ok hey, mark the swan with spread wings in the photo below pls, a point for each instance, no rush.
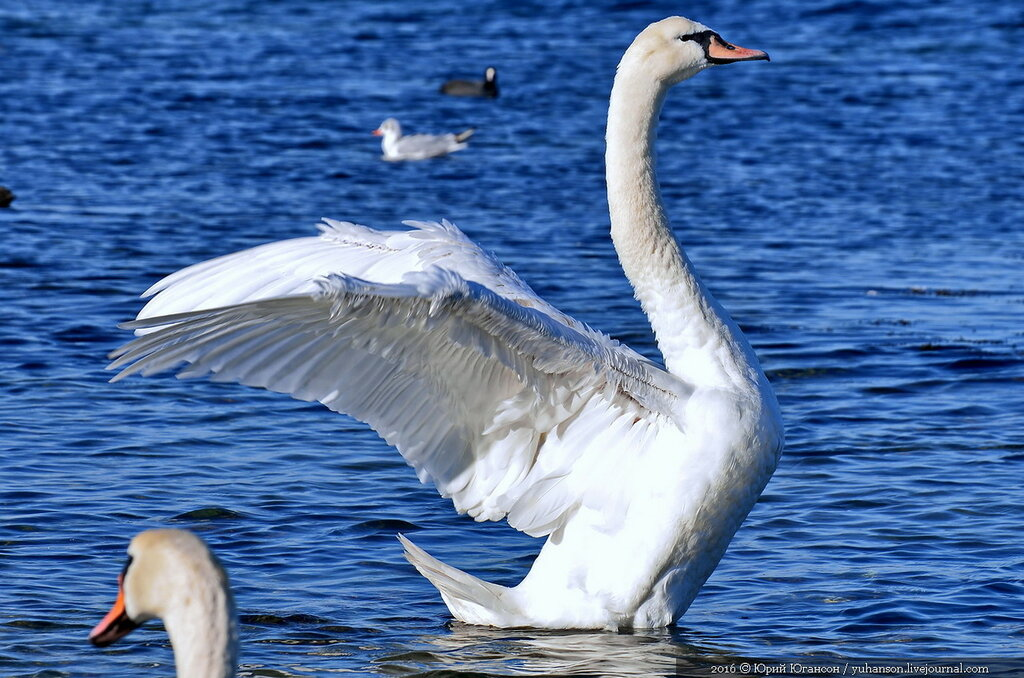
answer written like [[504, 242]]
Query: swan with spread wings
[[637, 475]]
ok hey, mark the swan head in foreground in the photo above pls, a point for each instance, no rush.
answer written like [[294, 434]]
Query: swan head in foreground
[[173, 576], [677, 48]]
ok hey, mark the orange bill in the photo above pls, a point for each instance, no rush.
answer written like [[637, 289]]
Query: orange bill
[[116, 624], [722, 52]]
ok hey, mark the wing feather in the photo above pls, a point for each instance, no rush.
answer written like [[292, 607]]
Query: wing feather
[[505, 407]]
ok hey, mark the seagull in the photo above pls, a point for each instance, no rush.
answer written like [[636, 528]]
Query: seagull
[[417, 146]]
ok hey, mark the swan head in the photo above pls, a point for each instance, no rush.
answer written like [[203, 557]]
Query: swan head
[[676, 48], [389, 129], [168, 572], [490, 74]]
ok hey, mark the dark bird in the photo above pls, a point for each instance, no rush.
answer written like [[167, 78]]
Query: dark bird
[[488, 87]]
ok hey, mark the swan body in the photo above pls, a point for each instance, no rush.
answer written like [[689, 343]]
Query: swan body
[[173, 576], [488, 87], [417, 146], [639, 476]]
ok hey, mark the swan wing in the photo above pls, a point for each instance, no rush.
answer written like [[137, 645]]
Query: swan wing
[[294, 267], [506, 409]]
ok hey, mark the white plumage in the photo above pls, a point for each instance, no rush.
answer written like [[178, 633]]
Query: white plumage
[[396, 146], [638, 475], [173, 576], [458, 373]]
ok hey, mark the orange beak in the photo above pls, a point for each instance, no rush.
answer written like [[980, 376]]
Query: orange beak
[[377, 132], [722, 52], [116, 624]]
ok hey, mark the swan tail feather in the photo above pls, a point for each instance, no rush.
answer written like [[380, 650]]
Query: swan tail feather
[[469, 599]]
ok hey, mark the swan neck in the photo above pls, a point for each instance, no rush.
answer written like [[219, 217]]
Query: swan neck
[[697, 339], [204, 634]]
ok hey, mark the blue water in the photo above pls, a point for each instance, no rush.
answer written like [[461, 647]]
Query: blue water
[[855, 204]]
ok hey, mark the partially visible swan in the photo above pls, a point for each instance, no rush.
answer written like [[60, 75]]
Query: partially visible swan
[[638, 475], [173, 576], [417, 146], [488, 87]]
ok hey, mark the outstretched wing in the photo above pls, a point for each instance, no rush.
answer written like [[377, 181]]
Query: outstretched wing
[[294, 267], [506, 408]]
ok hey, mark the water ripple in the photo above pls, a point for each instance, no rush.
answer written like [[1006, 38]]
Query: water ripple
[[862, 227]]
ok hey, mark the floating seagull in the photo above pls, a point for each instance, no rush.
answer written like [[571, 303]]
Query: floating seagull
[[417, 146], [488, 87], [639, 476], [173, 576]]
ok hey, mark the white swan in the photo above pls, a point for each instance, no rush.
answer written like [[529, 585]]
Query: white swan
[[638, 475], [417, 146], [173, 576], [488, 87]]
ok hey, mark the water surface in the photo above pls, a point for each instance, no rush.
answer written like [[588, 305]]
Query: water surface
[[855, 204]]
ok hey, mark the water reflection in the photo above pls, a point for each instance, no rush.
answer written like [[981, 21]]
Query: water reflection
[[466, 649]]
